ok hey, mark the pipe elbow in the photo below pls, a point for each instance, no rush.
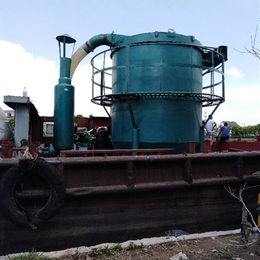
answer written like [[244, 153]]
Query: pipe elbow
[[86, 48], [96, 41], [101, 39], [89, 46]]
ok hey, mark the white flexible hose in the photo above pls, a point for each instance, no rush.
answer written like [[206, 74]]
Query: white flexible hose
[[76, 58], [89, 46]]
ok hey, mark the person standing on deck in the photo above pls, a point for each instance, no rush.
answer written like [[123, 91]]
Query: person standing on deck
[[210, 128], [225, 133]]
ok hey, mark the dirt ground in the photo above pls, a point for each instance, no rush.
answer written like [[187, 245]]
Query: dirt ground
[[221, 247]]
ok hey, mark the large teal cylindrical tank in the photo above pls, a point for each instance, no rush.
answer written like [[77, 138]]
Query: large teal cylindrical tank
[[155, 81]]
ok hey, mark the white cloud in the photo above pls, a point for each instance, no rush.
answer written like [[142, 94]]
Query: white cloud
[[234, 72], [21, 69], [242, 105], [245, 93]]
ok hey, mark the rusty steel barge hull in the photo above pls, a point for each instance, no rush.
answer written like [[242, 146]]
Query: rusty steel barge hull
[[114, 199]]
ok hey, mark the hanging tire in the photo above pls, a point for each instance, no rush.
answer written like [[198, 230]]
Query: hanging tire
[[10, 206]]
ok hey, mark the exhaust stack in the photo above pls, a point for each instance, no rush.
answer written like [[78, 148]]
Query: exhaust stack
[[64, 100]]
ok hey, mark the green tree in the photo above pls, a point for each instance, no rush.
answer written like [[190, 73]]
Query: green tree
[[11, 120], [79, 116], [236, 131]]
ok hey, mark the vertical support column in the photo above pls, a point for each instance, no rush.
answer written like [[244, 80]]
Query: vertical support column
[[258, 211], [192, 147], [22, 122], [201, 138], [135, 142], [21, 105]]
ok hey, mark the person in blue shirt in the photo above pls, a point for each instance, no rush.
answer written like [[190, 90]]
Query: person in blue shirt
[[225, 134]]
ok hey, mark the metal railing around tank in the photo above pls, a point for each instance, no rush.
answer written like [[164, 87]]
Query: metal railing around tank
[[213, 92]]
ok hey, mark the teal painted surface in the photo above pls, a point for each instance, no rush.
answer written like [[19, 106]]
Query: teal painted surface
[[64, 109], [161, 63]]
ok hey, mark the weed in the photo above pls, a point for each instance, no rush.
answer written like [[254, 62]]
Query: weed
[[29, 256], [185, 242], [76, 254], [95, 252], [132, 245], [226, 254], [147, 249], [117, 247], [171, 243], [106, 250]]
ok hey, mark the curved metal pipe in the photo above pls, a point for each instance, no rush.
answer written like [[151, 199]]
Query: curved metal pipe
[[89, 46]]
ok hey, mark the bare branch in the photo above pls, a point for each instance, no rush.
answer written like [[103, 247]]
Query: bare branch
[[254, 50], [232, 192], [240, 199]]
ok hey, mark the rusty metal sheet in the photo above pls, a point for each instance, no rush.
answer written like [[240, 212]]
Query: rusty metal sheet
[[113, 199]]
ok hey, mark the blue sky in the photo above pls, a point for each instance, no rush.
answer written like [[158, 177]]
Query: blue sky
[[29, 50]]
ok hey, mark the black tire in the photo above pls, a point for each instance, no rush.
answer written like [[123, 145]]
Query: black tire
[[56, 199], [11, 208]]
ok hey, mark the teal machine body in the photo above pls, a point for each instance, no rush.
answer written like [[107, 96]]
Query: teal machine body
[[146, 115], [64, 101], [157, 94]]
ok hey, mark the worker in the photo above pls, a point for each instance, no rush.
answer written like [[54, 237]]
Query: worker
[[224, 134], [210, 129]]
